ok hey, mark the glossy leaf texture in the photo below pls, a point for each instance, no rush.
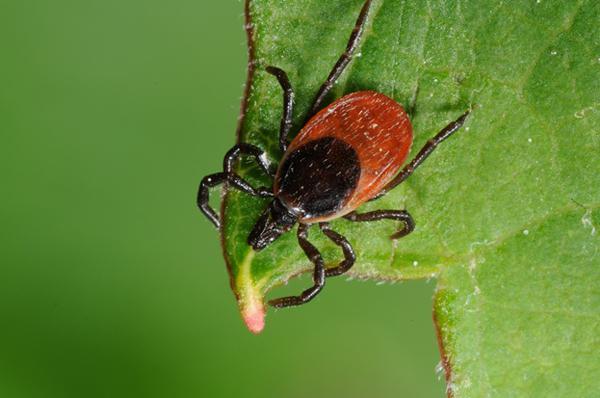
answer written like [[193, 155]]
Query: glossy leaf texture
[[507, 210]]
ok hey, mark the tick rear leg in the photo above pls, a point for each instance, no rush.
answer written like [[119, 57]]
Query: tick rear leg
[[400, 215], [288, 105], [227, 175], [341, 241], [424, 153], [343, 61], [318, 275]]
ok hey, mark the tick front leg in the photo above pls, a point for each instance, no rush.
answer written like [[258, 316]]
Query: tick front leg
[[343, 61], [208, 182], [400, 215], [246, 149], [288, 105], [227, 175], [236, 181], [318, 275], [341, 241]]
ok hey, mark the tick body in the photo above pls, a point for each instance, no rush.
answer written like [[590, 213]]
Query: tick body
[[347, 153], [343, 156]]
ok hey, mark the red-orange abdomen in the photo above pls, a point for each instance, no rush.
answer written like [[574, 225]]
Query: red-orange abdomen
[[371, 124]]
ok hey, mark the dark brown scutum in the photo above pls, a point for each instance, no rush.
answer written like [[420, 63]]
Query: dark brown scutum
[[317, 178]]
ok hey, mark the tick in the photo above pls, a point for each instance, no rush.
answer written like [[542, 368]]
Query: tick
[[348, 153]]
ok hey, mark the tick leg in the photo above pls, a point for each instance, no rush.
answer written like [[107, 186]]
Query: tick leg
[[318, 275], [208, 182], [213, 180], [341, 241], [227, 175], [343, 61], [288, 105], [424, 153], [400, 215], [238, 182], [246, 149]]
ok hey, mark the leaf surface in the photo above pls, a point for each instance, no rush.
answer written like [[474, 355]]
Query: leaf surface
[[506, 210]]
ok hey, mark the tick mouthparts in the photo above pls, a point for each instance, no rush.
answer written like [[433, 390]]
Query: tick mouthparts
[[275, 220]]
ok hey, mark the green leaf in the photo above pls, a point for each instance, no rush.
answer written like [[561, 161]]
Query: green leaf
[[506, 210]]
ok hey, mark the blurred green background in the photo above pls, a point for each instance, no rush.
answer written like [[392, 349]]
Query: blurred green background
[[112, 283]]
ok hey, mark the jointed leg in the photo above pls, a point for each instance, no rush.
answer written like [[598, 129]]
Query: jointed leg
[[400, 215], [288, 105], [203, 196], [341, 241], [246, 149], [343, 61], [424, 153], [213, 180], [235, 180], [318, 275]]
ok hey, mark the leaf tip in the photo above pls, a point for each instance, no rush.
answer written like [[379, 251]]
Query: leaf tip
[[250, 297], [253, 314]]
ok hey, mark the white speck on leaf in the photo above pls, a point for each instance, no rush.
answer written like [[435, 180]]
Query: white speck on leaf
[[472, 265], [583, 112], [525, 232], [467, 382], [586, 220], [451, 387], [439, 369], [480, 243]]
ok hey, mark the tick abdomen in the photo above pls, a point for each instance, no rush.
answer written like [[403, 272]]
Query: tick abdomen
[[344, 156]]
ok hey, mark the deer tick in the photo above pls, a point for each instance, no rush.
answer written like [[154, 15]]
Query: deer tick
[[348, 153]]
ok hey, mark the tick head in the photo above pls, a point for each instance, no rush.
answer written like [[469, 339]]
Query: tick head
[[274, 221]]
